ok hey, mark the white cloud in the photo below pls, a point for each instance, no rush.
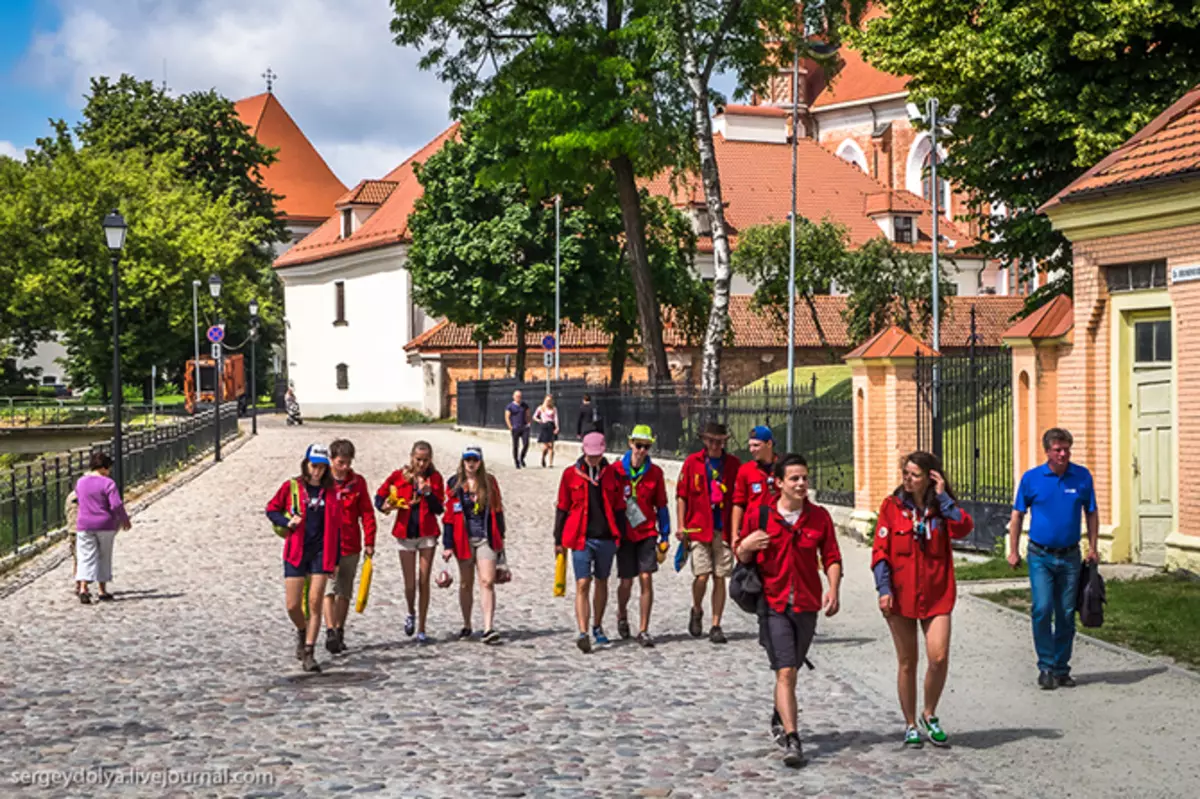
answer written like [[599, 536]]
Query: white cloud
[[361, 99], [11, 150]]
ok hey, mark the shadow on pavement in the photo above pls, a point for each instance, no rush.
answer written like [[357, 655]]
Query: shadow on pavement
[[149, 593], [831, 742], [671, 638], [1119, 677], [859, 641]]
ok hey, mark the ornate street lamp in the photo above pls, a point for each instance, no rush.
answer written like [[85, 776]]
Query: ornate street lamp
[[114, 235]]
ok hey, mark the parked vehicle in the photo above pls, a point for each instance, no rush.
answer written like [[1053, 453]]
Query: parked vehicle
[[233, 378]]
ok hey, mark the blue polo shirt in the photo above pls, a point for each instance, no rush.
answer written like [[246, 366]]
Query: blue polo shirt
[[1056, 504]]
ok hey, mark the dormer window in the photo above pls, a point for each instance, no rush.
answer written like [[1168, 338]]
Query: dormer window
[[347, 222], [701, 219], [904, 230]]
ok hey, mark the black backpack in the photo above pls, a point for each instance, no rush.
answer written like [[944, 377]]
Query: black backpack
[[746, 586]]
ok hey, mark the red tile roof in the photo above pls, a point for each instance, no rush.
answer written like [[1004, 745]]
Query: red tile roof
[[892, 201], [755, 110], [855, 80], [890, 343], [753, 330], [1052, 320], [1167, 149], [300, 175], [368, 192], [388, 225], [756, 187]]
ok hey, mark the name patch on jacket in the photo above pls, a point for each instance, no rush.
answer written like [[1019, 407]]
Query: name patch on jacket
[[756, 488]]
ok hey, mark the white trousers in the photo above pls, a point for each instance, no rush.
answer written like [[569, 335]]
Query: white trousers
[[94, 553]]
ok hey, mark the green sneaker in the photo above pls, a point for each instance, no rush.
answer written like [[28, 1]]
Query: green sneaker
[[934, 732], [912, 738]]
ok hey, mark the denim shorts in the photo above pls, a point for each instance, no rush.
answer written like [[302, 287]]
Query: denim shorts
[[594, 560], [311, 562]]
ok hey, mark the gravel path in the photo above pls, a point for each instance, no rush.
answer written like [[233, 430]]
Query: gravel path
[[192, 671]]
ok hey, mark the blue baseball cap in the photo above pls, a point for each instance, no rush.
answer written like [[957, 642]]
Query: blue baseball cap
[[761, 433], [472, 452], [317, 453]]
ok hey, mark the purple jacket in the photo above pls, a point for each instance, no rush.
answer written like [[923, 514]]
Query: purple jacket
[[100, 506]]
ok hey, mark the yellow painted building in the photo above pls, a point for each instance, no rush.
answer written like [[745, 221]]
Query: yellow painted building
[[1127, 376]]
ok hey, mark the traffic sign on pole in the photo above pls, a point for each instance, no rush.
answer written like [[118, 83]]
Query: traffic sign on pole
[[216, 350], [548, 360], [216, 334], [548, 344]]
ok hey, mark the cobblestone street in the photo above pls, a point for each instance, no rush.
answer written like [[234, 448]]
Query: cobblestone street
[[192, 668]]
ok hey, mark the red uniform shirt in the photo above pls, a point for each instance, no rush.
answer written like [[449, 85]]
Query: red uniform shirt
[[752, 486], [405, 491], [922, 576], [356, 508], [792, 563], [650, 494], [293, 544], [456, 521], [696, 490], [573, 498]]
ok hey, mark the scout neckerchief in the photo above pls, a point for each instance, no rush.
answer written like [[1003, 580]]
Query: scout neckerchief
[[716, 486], [923, 527], [635, 476], [476, 508], [585, 471]]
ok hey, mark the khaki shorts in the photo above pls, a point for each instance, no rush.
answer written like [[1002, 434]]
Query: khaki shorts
[[341, 582], [482, 550], [413, 544], [715, 558]]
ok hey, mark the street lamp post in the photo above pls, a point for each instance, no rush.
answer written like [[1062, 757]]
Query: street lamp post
[[114, 235], [557, 282], [253, 367], [196, 338], [214, 288], [791, 345]]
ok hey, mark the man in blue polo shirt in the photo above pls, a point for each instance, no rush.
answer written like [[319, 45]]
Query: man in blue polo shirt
[[1055, 495]]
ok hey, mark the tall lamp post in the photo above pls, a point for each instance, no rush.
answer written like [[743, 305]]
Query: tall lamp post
[[114, 235], [196, 337], [253, 367], [214, 288]]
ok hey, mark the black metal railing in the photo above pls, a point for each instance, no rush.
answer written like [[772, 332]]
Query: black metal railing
[[823, 424], [964, 416], [33, 495], [17, 413]]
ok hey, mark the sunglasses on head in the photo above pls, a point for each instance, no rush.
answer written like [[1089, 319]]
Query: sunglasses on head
[[641, 445]]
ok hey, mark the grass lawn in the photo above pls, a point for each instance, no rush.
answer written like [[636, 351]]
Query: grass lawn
[[395, 416], [990, 569], [1155, 616], [829, 378]]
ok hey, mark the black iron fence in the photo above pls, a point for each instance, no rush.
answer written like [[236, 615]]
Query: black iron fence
[[964, 416], [822, 422], [16, 413], [33, 495]]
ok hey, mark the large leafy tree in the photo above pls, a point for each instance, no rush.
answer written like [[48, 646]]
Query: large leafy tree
[[889, 286], [581, 84], [1046, 90]]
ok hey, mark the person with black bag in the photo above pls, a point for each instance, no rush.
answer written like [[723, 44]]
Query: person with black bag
[[789, 543]]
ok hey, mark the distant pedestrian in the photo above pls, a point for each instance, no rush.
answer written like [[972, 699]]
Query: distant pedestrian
[[516, 418], [755, 481], [1056, 495], [589, 420], [473, 532], [704, 507], [307, 507], [644, 488], [591, 523], [547, 416], [101, 514], [786, 538], [914, 575], [415, 494], [358, 528]]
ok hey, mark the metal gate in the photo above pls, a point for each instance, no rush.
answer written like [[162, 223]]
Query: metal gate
[[964, 416]]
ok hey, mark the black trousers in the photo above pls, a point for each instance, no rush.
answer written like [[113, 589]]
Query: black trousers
[[520, 440]]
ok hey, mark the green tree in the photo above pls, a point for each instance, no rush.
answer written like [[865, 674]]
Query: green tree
[[889, 286], [1046, 90], [822, 257], [581, 84]]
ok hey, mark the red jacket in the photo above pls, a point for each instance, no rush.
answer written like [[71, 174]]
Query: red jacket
[[694, 489], [573, 499], [752, 486], [428, 510], [650, 493], [789, 564], [293, 544], [922, 577], [356, 507], [457, 538]]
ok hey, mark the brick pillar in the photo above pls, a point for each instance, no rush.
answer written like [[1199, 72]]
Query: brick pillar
[[885, 417]]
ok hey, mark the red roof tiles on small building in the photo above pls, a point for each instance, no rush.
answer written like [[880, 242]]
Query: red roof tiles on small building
[[368, 192], [891, 343], [1053, 320]]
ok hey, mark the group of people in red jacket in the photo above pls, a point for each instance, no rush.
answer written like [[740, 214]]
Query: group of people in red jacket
[[757, 514]]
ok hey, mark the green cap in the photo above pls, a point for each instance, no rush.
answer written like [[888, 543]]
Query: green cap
[[642, 432]]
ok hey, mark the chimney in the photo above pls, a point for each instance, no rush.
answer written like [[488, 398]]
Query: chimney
[[760, 123]]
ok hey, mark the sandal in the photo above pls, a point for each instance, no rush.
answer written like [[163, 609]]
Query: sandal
[[85, 598], [106, 597]]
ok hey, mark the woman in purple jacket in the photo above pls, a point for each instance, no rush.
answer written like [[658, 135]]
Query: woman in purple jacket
[[101, 514]]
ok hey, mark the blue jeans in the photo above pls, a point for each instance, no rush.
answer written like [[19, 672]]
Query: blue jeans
[[594, 560], [1053, 580]]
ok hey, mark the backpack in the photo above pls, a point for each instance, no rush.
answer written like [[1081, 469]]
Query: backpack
[[293, 510], [1090, 599], [746, 586]]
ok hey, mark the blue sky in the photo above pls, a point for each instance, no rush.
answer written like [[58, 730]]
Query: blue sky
[[24, 104]]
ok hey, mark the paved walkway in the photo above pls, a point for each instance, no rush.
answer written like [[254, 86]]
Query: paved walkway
[[192, 670]]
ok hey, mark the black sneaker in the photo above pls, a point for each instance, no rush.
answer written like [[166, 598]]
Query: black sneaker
[[1046, 681], [491, 637], [584, 643], [464, 633], [341, 640], [645, 640], [793, 753], [777, 733], [696, 623], [1064, 680], [300, 644], [309, 663], [623, 627], [331, 644], [716, 636]]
